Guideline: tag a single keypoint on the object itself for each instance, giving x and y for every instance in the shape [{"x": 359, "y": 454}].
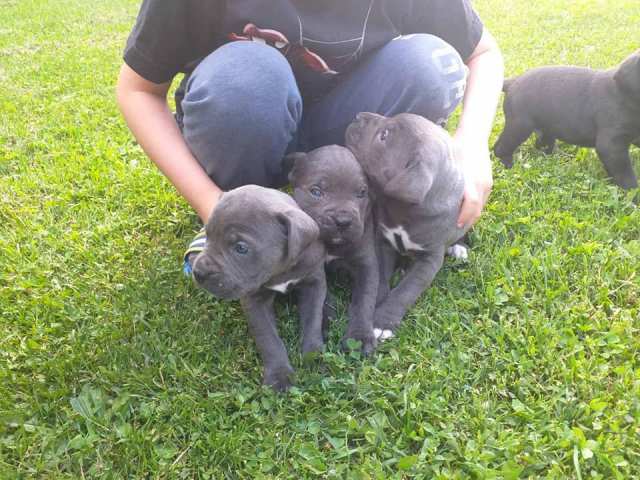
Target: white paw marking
[
  {"x": 282, "y": 287},
  {"x": 382, "y": 335},
  {"x": 391, "y": 235},
  {"x": 458, "y": 251},
  {"x": 331, "y": 258}
]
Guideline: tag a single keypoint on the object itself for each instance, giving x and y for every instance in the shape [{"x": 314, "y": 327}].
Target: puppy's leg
[
  {"x": 387, "y": 259},
  {"x": 311, "y": 296},
  {"x": 545, "y": 142},
  {"x": 329, "y": 313},
  {"x": 418, "y": 278},
  {"x": 614, "y": 154},
  {"x": 363, "y": 299},
  {"x": 262, "y": 325},
  {"x": 516, "y": 131}
]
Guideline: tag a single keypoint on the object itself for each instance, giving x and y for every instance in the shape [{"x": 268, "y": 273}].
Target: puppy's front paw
[
  {"x": 367, "y": 339},
  {"x": 458, "y": 251},
  {"x": 279, "y": 379},
  {"x": 386, "y": 322},
  {"x": 507, "y": 162},
  {"x": 382, "y": 335}
]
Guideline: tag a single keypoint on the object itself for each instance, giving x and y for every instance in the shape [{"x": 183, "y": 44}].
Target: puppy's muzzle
[
  {"x": 342, "y": 220},
  {"x": 341, "y": 227},
  {"x": 203, "y": 267},
  {"x": 207, "y": 275},
  {"x": 202, "y": 276}
]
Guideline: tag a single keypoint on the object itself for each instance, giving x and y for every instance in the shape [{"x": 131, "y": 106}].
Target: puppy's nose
[
  {"x": 365, "y": 117},
  {"x": 199, "y": 275},
  {"x": 343, "y": 221},
  {"x": 203, "y": 268}
]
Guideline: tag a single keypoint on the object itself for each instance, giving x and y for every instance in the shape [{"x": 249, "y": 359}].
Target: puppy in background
[
  {"x": 418, "y": 187},
  {"x": 260, "y": 243},
  {"x": 581, "y": 106},
  {"x": 330, "y": 185}
]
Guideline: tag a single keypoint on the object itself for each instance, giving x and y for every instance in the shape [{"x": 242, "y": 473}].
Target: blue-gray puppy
[
  {"x": 259, "y": 242},
  {"x": 581, "y": 106},
  {"x": 418, "y": 187},
  {"x": 330, "y": 185}
]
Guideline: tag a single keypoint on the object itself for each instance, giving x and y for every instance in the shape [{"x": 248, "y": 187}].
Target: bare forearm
[
  {"x": 150, "y": 120},
  {"x": 486, "y": 75}
]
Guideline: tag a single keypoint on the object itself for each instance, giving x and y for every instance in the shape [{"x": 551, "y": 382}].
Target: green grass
[{"x": 521, "y": 364}]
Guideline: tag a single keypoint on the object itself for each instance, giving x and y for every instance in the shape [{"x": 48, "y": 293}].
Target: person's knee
[
  {"x": 241, "y": 91},
  {"x": 429, "y": 58},
  {"x": 434, "y": 73},
  {"x": 242, "y": 75}
]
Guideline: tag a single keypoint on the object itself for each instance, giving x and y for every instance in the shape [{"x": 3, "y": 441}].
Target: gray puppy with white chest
[
  {"x": 418, "y": 187},
  {"x": 259, "y": 243},
  {"x": 581, "y": 106},
  {"x": 330, "y": 185}
]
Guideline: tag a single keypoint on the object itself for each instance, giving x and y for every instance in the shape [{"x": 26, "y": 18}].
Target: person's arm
[
  {"x": 484, "y": 84},
  {"x": 144, "y": 107}
]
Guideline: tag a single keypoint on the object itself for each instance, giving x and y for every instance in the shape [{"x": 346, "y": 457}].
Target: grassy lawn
[{"x": 522, "y": 363}]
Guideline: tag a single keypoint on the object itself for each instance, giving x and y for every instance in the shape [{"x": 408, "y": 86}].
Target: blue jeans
[{"x": 243, "y": 110}]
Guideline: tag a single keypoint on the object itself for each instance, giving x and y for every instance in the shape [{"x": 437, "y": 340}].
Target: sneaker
[{"x": 195, "y": 247}]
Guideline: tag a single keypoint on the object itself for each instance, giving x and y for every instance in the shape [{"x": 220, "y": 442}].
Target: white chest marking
[
  {"x": 282, "y": 287},
  {"x": 399, "y": 238}
]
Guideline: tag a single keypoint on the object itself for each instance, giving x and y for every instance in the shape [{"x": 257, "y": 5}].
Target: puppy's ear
[
  {"x": 300, "y": 229},
  {"x": 412, "y": 184},
  {"x": 628, "y": 75},
  {"x": 289, "y": 164}
]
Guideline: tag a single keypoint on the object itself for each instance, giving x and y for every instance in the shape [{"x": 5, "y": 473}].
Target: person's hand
[{"x": 473, "y": 156}]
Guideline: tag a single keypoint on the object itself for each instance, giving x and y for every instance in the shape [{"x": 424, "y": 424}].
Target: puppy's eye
[
  {"x": 410, "y": 162},
  {"x": 316, "y": 192},
  {"x": 241, "y": 248},
  {"x": 384, "y": 134},
  {"x": 362, "y": 193}
]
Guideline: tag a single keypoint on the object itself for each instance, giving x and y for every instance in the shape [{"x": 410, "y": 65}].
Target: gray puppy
[
  {"x": 259, "y": 242},
  {"x": 330, "y": 185},
  {"x": 418, "y": 188},
  {"x": 581, "y": 106}
]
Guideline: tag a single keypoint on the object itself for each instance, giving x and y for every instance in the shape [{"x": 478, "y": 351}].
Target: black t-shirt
[
  {"x": 320, "y": 38},
  {"x": 324, "y": 37}
]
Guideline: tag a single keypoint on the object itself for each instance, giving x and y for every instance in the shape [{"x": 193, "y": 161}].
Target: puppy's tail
[{"x": 507, "y": 83}]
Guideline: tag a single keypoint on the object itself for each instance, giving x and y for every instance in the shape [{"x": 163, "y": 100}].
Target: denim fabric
[{"x": 243, "y": 110}]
